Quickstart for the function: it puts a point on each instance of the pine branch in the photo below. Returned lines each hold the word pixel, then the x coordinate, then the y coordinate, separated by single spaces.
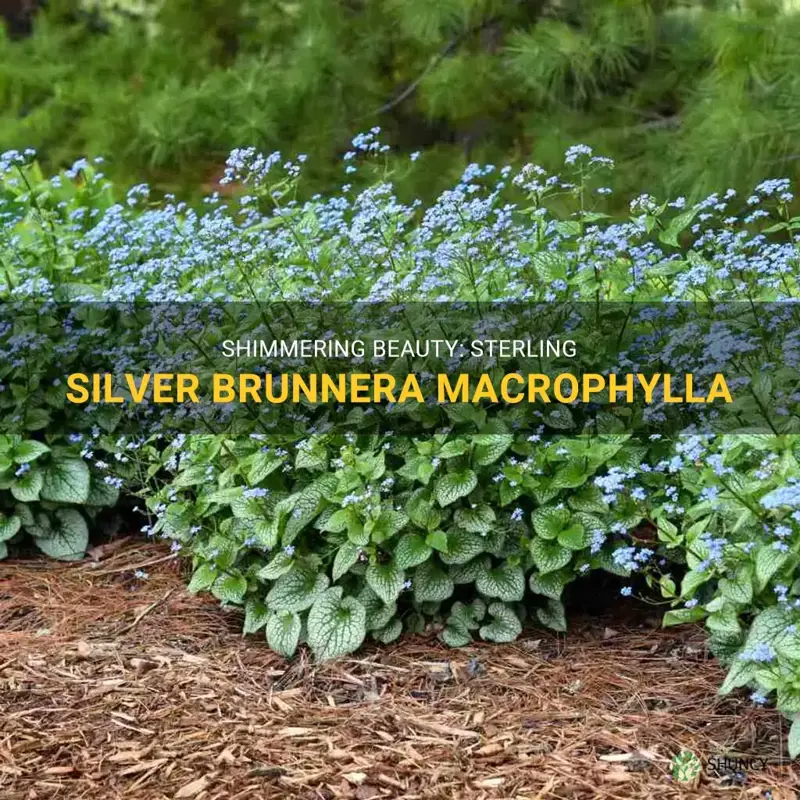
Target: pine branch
pixel 445 51
pixel 432 64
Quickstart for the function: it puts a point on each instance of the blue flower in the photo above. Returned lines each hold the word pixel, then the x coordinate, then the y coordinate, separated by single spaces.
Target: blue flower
pixel 762 653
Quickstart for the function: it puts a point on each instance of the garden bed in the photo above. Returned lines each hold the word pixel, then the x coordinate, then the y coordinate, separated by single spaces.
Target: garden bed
pixel 121 686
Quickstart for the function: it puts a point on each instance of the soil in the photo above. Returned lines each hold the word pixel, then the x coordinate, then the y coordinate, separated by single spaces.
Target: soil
pixel 117 686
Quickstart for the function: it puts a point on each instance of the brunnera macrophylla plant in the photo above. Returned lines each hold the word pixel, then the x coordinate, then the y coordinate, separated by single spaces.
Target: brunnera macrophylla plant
pixel 414 531
pixel 330 538
pixel 50 492
pixel 738 529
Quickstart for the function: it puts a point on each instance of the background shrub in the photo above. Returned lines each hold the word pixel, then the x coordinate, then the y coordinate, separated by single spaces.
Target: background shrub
pixel 168 88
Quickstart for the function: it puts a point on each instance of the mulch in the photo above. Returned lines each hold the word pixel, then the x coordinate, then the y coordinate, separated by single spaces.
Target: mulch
pixel 113 686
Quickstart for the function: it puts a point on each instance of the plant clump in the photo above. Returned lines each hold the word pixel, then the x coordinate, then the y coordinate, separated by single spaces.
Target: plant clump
pixel 327 537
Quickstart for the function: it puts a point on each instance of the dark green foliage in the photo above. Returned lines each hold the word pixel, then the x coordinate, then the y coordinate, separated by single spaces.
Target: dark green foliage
pixel 168 87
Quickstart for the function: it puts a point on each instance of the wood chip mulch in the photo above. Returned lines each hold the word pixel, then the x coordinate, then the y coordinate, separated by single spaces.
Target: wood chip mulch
pixel 113 686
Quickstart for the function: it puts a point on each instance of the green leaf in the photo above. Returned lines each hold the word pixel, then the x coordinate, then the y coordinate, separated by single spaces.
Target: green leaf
pixel 230 587
pixel 462 546
pixel 388 524
pixel 69 538
pixel 505 582
pixel 466 412
pixel 431 583
pixel 573 537
pixel 264 531
pixel 504 627
pixel 378 613
pixel 437 540
pixel 787 645
pixel 263 464
pixel 203 578
pixel 191 475
pixel 590 499
pixel 667 586
pixel 509 493
pixel 297 590
pixel 475 520
pixel 389 632
pixel 386 580
pixel 336 624
pixel 768 562
pixel 25 514
pixel 551 584
pixel 425 470
pixel 455 485
pixel 695 530
pixel 371 466
pixel 36 419
pixel 346 556
pixel 788 700
pixel 453 449
pixel 29 450
pixel 551 615
pixel 489 447
pixel 740 588
pixel 66 480
pixel 739 674
pixel 9 526
pixel 306 507
pixel 281 563
pixel 668 532
pixel 571 476
pixel 560 418
pixel 794 738
pixel 311 458
pixel 549 521
pixel 255 615
pixel 725 621
pixel 453 635
pixel 467 616
pixel 247 508
pixel 225 497
pixel 549 265
pixel 610 424
pixel 768 626
pixel 357 534
pixel 411 550
pixel 681 616
pixel 676 226
pixel 336 522
pixel 605 560
pixel 283 632
pixel 421 512
pixel 27 487
pixel 691 580
pixel 549 556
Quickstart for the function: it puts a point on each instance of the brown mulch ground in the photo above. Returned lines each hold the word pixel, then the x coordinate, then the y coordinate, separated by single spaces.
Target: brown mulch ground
pixel 112 687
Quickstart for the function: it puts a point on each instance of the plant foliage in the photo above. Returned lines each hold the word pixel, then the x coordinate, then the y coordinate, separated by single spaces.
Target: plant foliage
pixel 327 539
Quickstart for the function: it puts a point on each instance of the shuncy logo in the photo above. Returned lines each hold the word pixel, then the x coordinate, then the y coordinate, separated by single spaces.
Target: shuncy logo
pixel 686 766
